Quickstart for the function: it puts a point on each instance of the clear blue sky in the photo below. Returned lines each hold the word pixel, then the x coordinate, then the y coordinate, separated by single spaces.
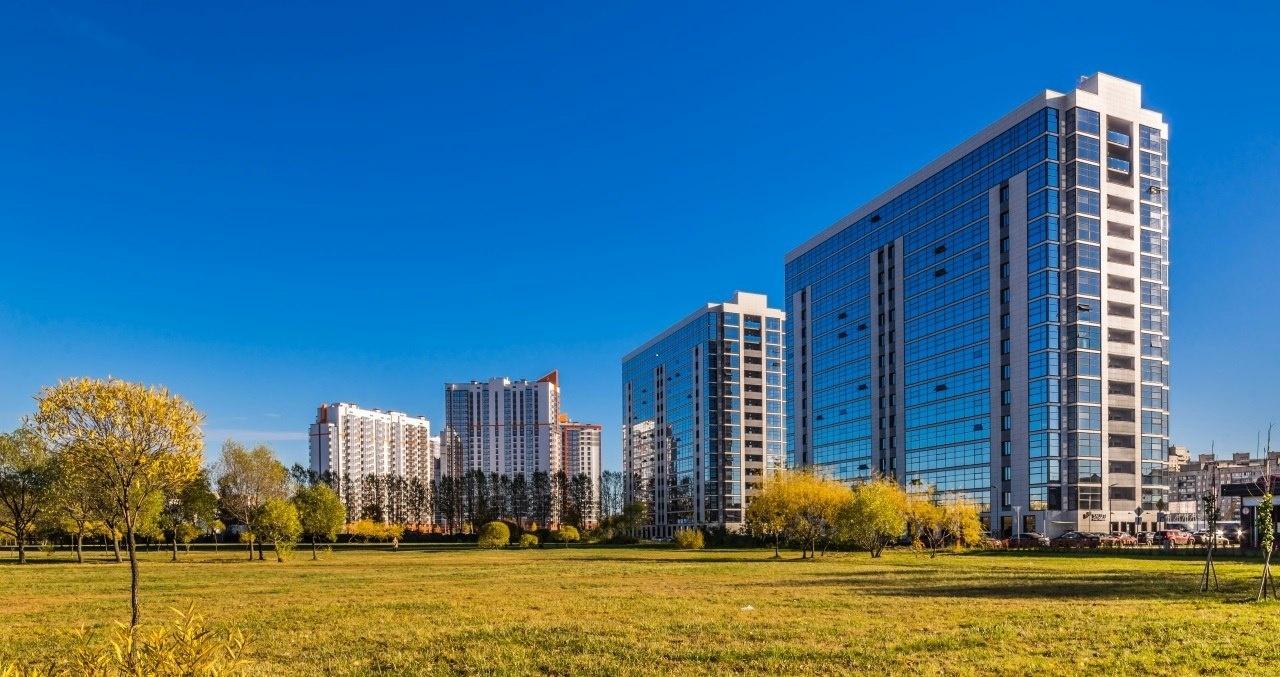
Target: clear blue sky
pixel 266 208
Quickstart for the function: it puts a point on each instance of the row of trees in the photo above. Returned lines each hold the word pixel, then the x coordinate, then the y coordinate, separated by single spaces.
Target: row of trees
pixel 460 504
pixel 125 461
pixel 812 512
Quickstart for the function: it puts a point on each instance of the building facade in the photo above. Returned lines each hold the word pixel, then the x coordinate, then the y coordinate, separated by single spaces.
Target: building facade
pixel 580 444
pixel 502 426
pixel 350 443
pixel 995 327
pixel 704 415
pixel 1208 474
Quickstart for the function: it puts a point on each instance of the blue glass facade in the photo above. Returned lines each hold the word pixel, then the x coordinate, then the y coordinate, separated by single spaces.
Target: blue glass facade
pixel 704 415
pixel 893 359
pixel 996 329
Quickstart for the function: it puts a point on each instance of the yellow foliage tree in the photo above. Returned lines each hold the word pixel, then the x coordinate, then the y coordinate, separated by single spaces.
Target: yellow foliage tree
pixel 875 516
pixel 923 521
pixel 961 524
pixel 767 512
pixel 134 441
pixel 247 479
pixel 27 472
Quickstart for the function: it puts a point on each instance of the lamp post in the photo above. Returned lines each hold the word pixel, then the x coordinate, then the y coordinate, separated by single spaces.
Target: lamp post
pixel 1017 520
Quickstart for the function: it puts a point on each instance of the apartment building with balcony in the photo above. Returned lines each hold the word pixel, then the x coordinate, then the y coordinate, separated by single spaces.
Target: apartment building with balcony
pixel 350 443
pixel 504 426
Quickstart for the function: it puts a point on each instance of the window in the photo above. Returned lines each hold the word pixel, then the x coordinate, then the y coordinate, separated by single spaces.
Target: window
pixel 1120 442
pixel 1120 387
pixel 1120 256
pixel 1120 414
pixel 1120 204
pixel 1084 201
pixel 1088 498
pixel 1084 120
pixel 1086 390
pixel 1119 230
pixel 1121 493
pixel 1084 256
pixel 1120 282
pixel 1119 361
pixel 1085 312
pixel 1085 336
pixel 1084 228
pixel 1085 444
pixel 1120 335
pixel 1085 364
pixel 1086 470
pixel 1120 309
pixel 1081 417
pixel 1083 174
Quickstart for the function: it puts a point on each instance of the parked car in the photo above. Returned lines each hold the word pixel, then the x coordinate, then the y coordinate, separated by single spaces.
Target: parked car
pixel 1233 533
pixel 1029 539
pixel 1146 537
pixel 1076 539
pixel 1117 539
pixel 1173 537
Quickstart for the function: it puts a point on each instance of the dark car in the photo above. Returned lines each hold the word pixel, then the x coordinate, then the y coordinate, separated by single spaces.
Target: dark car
pixel 1029 539
pixel 1147 537
pixel 1076 539
pixel 1233 533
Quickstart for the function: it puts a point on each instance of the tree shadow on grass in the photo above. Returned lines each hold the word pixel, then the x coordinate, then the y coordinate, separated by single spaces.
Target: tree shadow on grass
pixel 930 582
pixel 692 559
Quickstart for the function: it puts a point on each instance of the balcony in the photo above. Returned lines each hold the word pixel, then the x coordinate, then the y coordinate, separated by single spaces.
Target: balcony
pixel 1118 138
pixel 1116 164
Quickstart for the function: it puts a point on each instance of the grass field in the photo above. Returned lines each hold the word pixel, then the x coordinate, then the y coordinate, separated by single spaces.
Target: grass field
pixel 649 610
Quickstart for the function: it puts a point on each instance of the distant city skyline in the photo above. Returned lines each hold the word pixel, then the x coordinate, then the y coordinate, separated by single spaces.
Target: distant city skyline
pixel 327 212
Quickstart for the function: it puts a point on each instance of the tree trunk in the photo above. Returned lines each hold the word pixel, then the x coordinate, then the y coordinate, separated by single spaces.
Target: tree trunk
pixel 80 547
pixel 115 545
pixel 261 557
pixel 22 546
pixel 314 554
pixel 275 545
pixel 133 574
pixel 776 538
pixel 175 546
pixel 251 550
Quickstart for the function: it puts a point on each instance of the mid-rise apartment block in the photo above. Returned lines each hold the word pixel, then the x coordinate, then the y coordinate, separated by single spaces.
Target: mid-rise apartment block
pixel 502 426
pixel 1208 474
pixel 350 443
pixel 995 327
pixel 580 446
pixel 703 415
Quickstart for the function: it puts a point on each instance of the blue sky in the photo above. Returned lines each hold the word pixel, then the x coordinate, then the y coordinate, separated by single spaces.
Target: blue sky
pixel 268 207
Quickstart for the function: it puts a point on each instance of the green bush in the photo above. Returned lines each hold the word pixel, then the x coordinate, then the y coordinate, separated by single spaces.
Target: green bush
pixel 568 534
pixel 689 539
pixel 528 541
pixel 494 535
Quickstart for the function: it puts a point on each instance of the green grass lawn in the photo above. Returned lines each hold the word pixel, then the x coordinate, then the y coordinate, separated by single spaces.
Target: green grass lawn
pixel 657 610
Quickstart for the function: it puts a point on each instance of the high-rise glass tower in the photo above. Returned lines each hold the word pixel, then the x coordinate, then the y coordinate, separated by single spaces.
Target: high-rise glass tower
pixel 703 416
pixel 996 327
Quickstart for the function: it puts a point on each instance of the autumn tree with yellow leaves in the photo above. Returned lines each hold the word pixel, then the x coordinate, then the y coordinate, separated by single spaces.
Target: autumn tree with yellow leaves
pixel 135 442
